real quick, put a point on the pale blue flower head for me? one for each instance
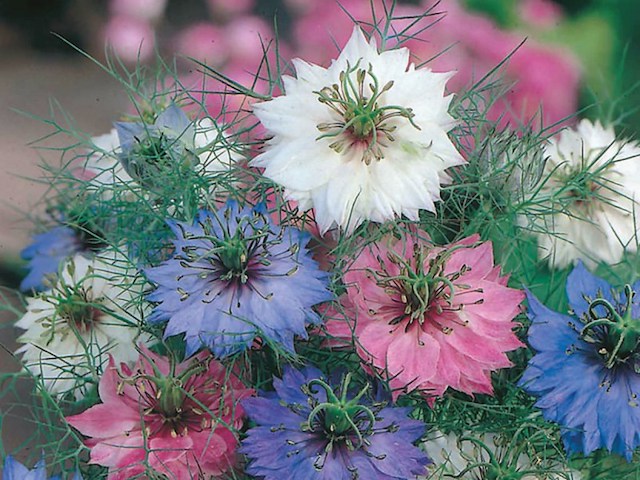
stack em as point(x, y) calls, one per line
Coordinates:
point(586, 370)
point(14, 470)
point(150, 152)
point(235, 275)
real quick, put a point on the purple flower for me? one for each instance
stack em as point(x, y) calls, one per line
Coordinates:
point(51, 248)
point(46, 253)
point(586, 372)
point(235, 275)
point(14, 470)
point(306, 430)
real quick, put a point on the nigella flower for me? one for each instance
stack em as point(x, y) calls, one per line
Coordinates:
point(172, 145)
point(365, 139)
point(176, 419)
point(586, 371)
point(428, 318)
point(94, 307)
point(235, 275)
point(14, 470)
point(307, 430)
point(592, 187)
point(473, 456)
point(51, 248)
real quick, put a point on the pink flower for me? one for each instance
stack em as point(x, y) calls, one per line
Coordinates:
point(180, 425)
point(428, 318)
point(540, 13)
point(205, 42)
point(132, 40)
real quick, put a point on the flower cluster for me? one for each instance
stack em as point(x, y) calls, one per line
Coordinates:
point(335, 283)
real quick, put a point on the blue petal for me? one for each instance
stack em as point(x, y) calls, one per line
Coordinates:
point(583, 287)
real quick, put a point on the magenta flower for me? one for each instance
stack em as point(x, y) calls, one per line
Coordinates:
point(177, 420)
point(428, 318)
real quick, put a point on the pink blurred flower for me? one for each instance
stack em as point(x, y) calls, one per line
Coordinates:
point(204, 42)
point(325, 25)
point(145, 10)
point(180, 425)
point(248, 37)
point(428, 318)
point(132, 40)
point(540, 13)
point(544, 77)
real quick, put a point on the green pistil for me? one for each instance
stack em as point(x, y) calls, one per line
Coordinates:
point(363, 120)
point(420, 287)
point(170, 394)
point(341, 418)
point(623, 331)
point(77, 312)
point(154, 156)
point(233, 254)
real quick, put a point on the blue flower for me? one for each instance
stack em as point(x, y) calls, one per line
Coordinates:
point(235, 275)
point(150, 152)
point(305, 430)
point(14, 470)
point(586, 370)
point(46, 253)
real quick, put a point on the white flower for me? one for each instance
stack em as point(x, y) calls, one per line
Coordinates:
point(216, 153)
point(452, 456)
point(102, 168)
point(591, 182)
point(365, 139)
point(94, 309)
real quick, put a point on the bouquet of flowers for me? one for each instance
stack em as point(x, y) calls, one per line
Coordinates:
point(354, 274)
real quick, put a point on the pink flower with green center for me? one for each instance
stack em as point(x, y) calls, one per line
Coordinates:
point(175, 419)
point(429, 318)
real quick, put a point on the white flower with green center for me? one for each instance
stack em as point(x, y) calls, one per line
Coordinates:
point(365, 139)
point(488, 456)
point(94, 309)
point(591, 184)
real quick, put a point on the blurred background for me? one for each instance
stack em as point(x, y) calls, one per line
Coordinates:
point(580, 58)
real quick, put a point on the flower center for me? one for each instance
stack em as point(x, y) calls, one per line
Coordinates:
point(339, 419)
point(582, 185)
point(233, 256)
point(362, 120)
point(618, 334)
point(169, 399)
point(154, 157)
point(422, 289)
point(78, 314)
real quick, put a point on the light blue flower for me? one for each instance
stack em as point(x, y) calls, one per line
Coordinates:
point(235, 275)
point(586, 370)
point(45, 254)
point(14, 470)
